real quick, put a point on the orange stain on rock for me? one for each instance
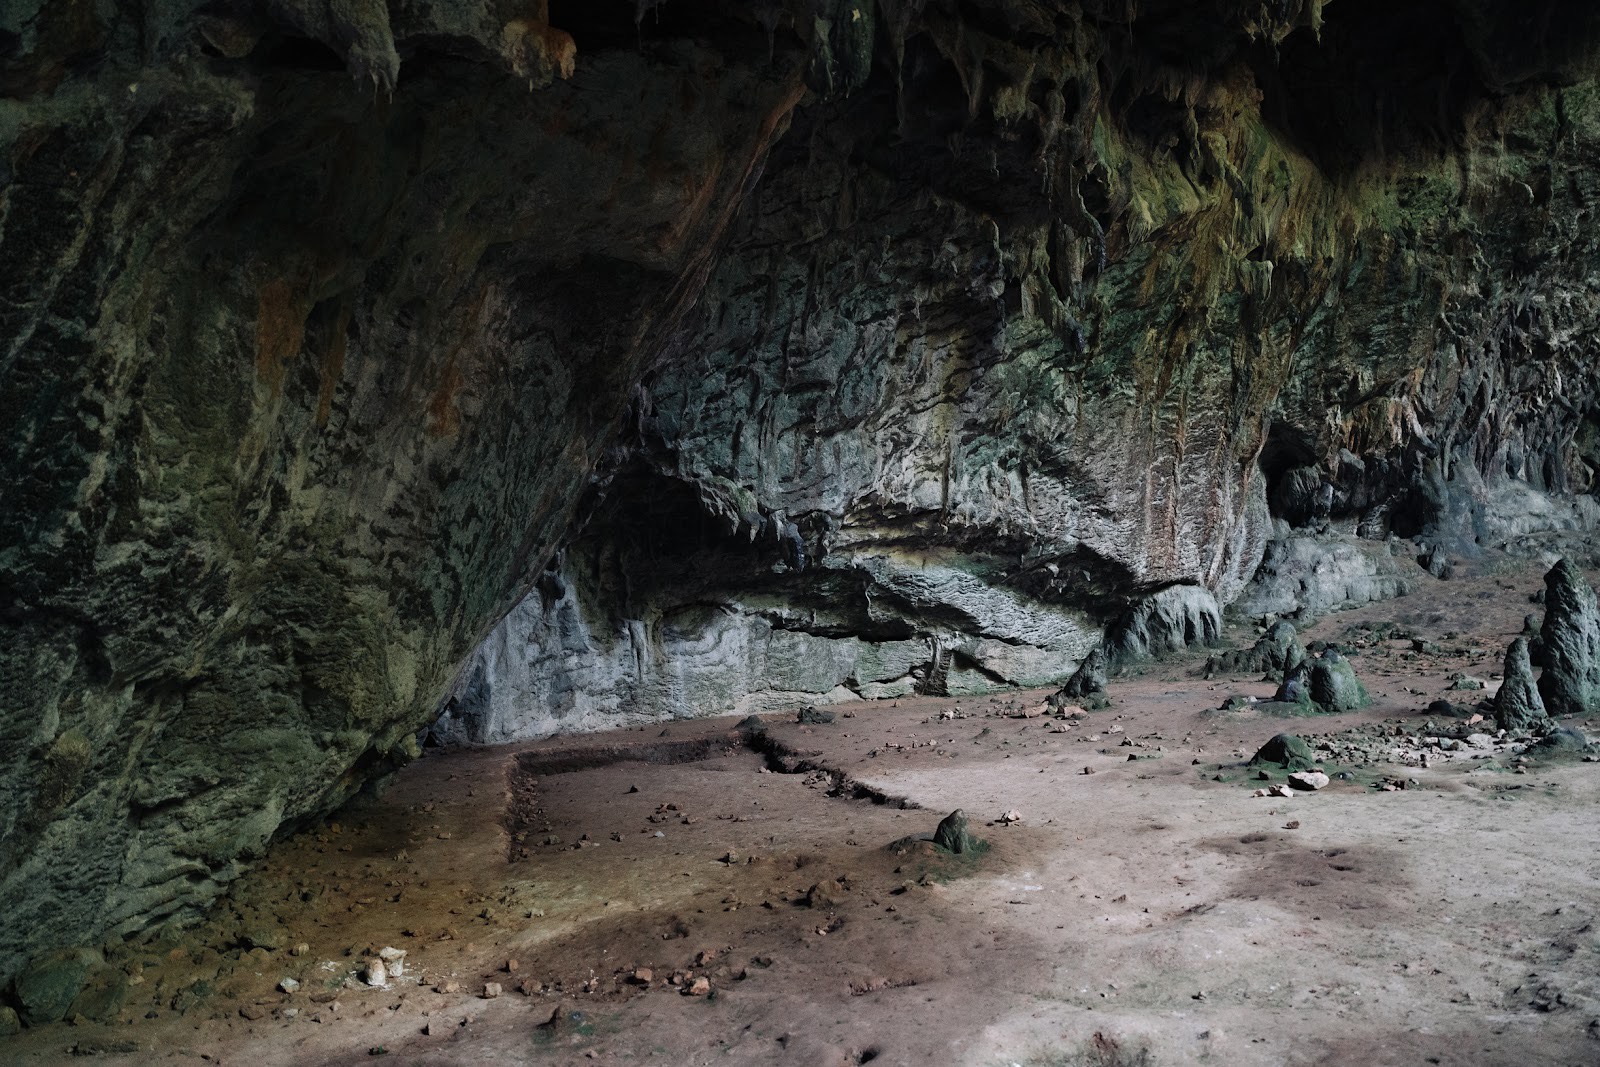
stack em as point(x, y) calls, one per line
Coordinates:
point(332, 365)
point(444, 417)
point(280, 332)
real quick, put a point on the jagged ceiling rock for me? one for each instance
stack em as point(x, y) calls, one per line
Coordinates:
point(324, 325)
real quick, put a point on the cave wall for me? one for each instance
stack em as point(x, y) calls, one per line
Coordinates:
point(304, 374)
point(1084, 336)
point(783, 351)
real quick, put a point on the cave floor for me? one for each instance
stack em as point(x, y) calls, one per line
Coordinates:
point(1144, 913)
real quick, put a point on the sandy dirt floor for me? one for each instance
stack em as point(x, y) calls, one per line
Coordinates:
point(1146, 908)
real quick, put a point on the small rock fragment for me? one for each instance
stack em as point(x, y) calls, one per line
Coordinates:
point(491, 990)
point(376, 974)
point(394, 960)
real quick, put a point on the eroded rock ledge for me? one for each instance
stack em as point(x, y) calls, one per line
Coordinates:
point(835, 339)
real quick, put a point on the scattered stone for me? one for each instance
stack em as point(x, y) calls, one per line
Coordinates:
point(829, 894)
point(394, 960)
point(289, 985)
point(643, 976)
point(699, 987)
point(1569, 643)
point(1010, 817)
point(492, 990)
point(1465, 682)
point(376, 974)
point(952, 835)
point(450, 986)
point(1518, 708)
point(1308, 780)
point(10, 1024)
point(1286, 751)
point(816, 716)
point(511, 966)
point(300, 950)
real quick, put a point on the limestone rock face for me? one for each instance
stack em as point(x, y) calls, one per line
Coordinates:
point(1518, 707)
point(304, 376)
point(1569, 643)
point(762, 355)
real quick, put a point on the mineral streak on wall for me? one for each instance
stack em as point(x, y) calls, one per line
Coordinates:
point(838, 347)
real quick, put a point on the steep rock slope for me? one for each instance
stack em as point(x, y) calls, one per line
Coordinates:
point(845, 347)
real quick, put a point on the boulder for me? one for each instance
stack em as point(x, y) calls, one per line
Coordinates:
point(1570, 643)
point(952, 834)
point(1296, 686)
point(1307, 781)
point(1088, 681)
point(1434, 560)
point(50, 983)
point(102, 996)
point(1334, 685)
point(1518, 708)
point(1564, 739)
point(1287, 751)
point(1277, 651)
point(826, 895)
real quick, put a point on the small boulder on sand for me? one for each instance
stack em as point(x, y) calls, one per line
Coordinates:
point(952, 834)
point(1286, 751)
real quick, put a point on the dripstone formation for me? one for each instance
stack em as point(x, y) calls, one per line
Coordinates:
point(556, 366)
point(1518, 707)
point(1569, 643)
